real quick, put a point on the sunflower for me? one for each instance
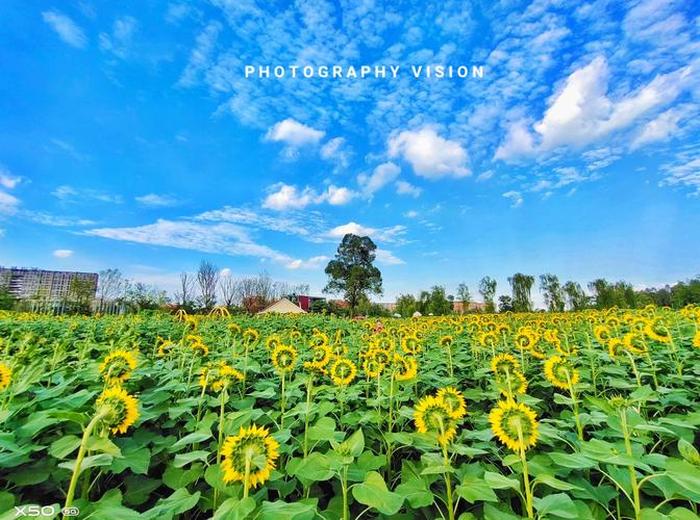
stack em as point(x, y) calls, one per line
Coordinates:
point(560, 372)
point(321, 357)
point(235, 329)
point(454, 400)
point(446, 341)
point(434, 416)
point(120, 409)
point(5, 376)
point(504, 362)
point(525, 338)
point(615, 347)
point(536, 350)
point(405, 367)
point(343, 371)
point(372, 368)
point(272, 341)
point(198, 347)
point(657, 330)
point(488, 339)
point(218, 376)
point(319, 338)
point(118, 365)
point(283, 358)
point(379, 355)
point(696, 339)
point(295, 335)
point(602, 333)
point(514, 424)
point(164, 346)
point(410, 344)
point(251, 335)
point(253, 452)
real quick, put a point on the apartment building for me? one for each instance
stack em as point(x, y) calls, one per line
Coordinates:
point(26, 284)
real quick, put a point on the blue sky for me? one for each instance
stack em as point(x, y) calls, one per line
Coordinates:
point(131, 138)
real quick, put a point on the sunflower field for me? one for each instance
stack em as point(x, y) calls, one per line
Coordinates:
point(588, 415)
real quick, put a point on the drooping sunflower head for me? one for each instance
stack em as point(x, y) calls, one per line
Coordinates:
point(120, 409)
point(283, 358)
point(410, 344)
point(321, 356)
point(405, 367)
point(384, 342)
point(537, 350)
point(254, 448)
point(446, 341)
point(343, 371)
point(199, 348)
point(514, 424)
point(602, 333)
point(511, 384)
point(696, 339)
point(454, 400)
point(272, 341)
point(5, 376)
point(164, 347)
point(118, 366)
point(658, 330)
point(524, 338)
point(250, 335)
point(615, 347)
point(488, 339)
point(560, 372)
point(319, 338)
point(434, 416)
point(635, 342)
point(235, 329)
point(371, 367)
point(503, 363)
point(380, 355)
point(218, 376)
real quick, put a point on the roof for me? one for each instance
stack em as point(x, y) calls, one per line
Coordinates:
point(283, 306)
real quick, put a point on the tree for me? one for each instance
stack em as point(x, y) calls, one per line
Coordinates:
point(111, 286)
point(80, 294)
point(575, 296)
point(185, 297)
point(553, 292)
point(207, 280)
point(438, 302)
point(464, 296)
point(405, 305)
point(7, 300)
point(352, 271)
point(141, 296)
point(487, 289)
point(505, 304)
point(521, 285)
point(227, 288)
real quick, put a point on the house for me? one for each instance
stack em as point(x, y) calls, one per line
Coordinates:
point(283, 306)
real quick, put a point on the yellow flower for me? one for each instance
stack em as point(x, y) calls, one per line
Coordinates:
point(220, 311)
point(5, 376)
point(514, 424)
point(634, 342)
point(252, 451)
point(235, 329)
point(272, 341)
point(321, 357)
point(454, 400)
point(503, 362)
point(379, 355)
point(405, 367)
point(410, 344)
point(602, 333)
point(525, 338)
point(218, 376)
point(199, 348)
point(434, 416)
point(488, 339)
point(319, 338)
point(118, 365)
point(446, 341)
point(372, 367)
point(657, 330)
point(121, 409)
point(696, 340)
point(560, 372)
point(343, 371)
point(283, 358)
point(251, 335)
point(615, 346)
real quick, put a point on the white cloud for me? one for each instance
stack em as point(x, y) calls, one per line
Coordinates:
point(387, 257)
point(337, 151)
point(201, 55)
point(581, 111)
point(155, 200)
point(685, 172)
point(659, 129)
point(485, 176)
point(314, 262)
point(518, 142)
point(67, 193)
point(48, 219)
point(66, 28)
point(220, 238)
point(7, 180)
point(380, 177)
point(8, 203)
point(225, 272)
point(515, 197)
point(430, 155)
point(411, 214)
point(294, 133)
point(406, 188)
point(391, 234)
point(63, 253)
point(119, 42)
point(284, 197)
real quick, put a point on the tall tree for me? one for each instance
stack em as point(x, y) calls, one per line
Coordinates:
point(464, 296)
point(352, 271)
point(521, 285)
point(207, 280)
point(111, 286)
point(185, 297)
point(487, 289)
point(505, 303)
point(405, 305)
point(552, 292)
point(227, 289)
point(575, 296)
point(438, 303)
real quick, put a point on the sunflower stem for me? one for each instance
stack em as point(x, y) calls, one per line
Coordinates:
point(526, 474)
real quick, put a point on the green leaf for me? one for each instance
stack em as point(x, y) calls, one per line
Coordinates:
point(355, 443)
point(498, 481)
point(316, 467)
point(183, 459)
point(374, 493)
point(137, 461)
point(553, 482)
point(104, 445)
point(474, 489)
point(64, 446)
point(192, 438)
point(558, 504)
point(89, 462)
point(323, 430)
point(416, 492)
point(176, 478)
point(235, 509)
point(684, 474)
point(284, 511)
point(571, 460)
point(110, 507)
point(688, 452)
point(177, 503)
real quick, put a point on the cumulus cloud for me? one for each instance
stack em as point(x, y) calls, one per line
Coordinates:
point(66, 28)
point(338, 196)
point(63, 253)
point(380, 177)
point(8, 203)
point(7, 180)
point(430, 155)
point(515, 197)
point(389, 234)
point(661, 128)
point(156, 201)
point(518, 142)
point(406, 188)
point(685, 171)
point(283, 197)
point(293, 133)
point(387, 257)
point(337, 150)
